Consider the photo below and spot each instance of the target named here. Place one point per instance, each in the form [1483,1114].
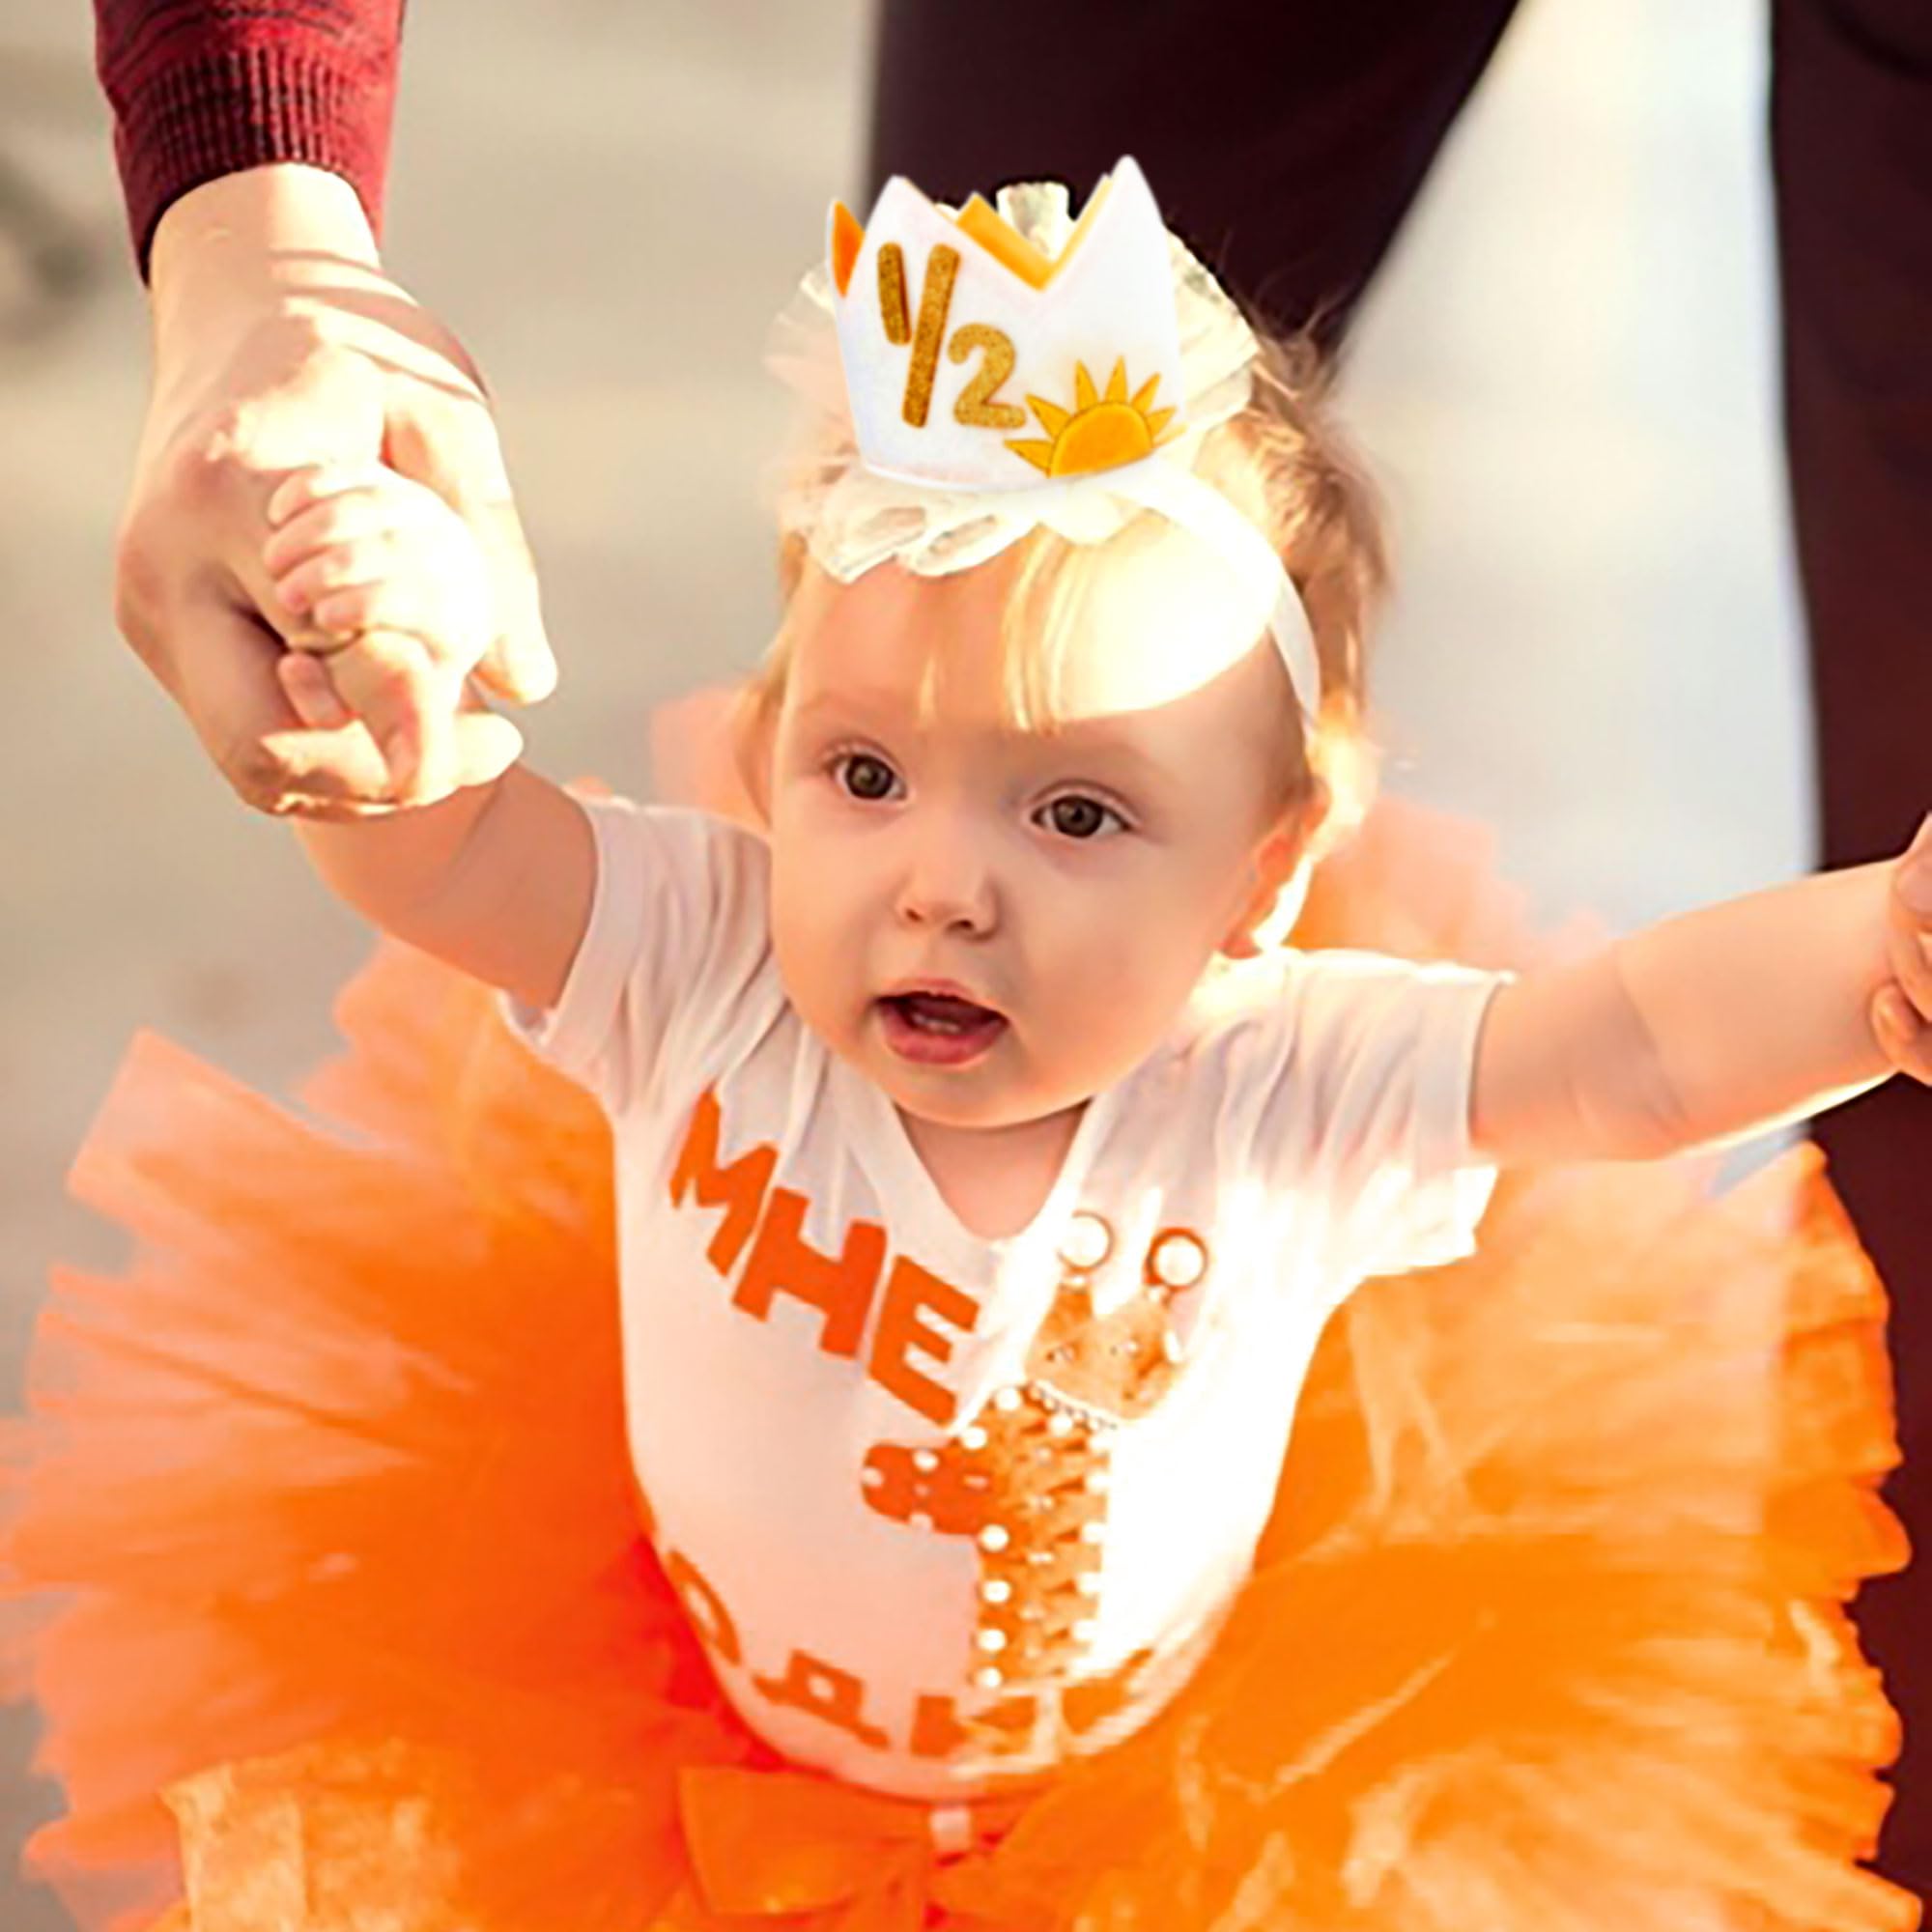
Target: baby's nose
[947,887]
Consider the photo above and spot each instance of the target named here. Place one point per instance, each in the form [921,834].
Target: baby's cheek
[819,956]
[1135,977]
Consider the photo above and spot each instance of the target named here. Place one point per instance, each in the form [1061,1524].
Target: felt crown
[974,362]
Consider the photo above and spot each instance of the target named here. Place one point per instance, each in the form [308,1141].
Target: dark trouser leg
[1851,148]
[1284,142]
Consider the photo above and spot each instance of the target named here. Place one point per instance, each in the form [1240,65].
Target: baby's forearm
[494,880]
[396,870]
[1758,1010]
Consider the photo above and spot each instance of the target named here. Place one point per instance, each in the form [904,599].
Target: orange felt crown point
[848,236]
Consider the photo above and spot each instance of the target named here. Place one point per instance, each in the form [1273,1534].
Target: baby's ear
[754,724]
[1281,864]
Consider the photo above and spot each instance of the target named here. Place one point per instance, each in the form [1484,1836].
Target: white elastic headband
[1190,501]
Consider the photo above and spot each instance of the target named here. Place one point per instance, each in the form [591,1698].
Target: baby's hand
[396,597]
[1902,1010]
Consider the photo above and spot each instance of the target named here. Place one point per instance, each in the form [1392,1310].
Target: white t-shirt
[947,1509]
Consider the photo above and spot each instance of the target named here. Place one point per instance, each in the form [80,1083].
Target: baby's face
[993,923]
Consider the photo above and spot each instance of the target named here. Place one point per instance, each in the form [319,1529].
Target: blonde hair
[1282,463]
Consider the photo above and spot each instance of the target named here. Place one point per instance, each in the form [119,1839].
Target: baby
[985,1175]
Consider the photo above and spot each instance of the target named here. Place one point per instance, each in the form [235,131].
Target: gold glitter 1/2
[934,302]
[977,406]
[893,295]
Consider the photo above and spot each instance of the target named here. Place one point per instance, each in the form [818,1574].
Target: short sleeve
[678,930]
[1355,1084]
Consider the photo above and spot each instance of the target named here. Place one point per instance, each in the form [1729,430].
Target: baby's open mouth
[938,1029]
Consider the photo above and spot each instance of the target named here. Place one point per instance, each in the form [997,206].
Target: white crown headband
[1124,348]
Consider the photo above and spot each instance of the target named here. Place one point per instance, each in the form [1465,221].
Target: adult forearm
[200,91]
[1758,1011]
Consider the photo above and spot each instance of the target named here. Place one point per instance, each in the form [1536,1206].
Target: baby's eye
[1078,816]
[865,777]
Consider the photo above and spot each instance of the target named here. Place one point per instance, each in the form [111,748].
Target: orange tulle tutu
[332,1587]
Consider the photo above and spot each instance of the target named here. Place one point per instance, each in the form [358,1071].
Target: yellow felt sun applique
[1099,431]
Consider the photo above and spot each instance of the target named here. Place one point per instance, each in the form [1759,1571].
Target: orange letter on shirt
[783,1261]
[1006,1729]
[741,1187]
[910,1290]
[823,1691]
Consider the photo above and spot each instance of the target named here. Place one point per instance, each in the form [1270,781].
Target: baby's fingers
[369,557]
[373,550]
[348,593]
[485,745]
[393,682]
[314,509]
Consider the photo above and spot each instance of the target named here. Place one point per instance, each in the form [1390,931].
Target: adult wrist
[255,235]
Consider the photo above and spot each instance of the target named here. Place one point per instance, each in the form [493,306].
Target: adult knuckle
[139,585]
[258,776]
[202,477]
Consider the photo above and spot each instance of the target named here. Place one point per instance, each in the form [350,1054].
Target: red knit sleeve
[204,88]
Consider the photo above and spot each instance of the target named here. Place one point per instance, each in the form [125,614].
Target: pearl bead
[1178,1260]
[1087,1242]
[924,1460]
[973,1437]
[994,1537]
[993,1640]
[1060,1423]
[989,1677]
[995,1590]
[1008,1399]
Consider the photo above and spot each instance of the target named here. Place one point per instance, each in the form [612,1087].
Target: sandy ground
[1565,380]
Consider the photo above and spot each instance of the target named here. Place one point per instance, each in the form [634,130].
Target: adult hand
[280,345]
[1902,1011]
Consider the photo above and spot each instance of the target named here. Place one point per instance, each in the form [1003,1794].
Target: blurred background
[1564,379]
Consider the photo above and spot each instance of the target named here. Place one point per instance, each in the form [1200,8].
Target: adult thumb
[454,449]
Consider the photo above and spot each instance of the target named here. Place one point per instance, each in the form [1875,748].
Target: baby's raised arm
[1705,1028]
[496,879]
